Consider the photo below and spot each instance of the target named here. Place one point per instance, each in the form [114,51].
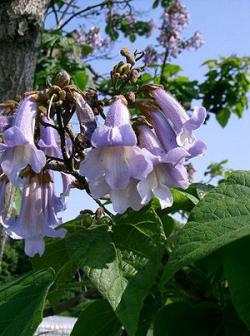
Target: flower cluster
[174,20]
[22,162]
[130,172]
[92,38]
[127,163]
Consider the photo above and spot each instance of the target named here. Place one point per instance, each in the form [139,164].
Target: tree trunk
[20,25]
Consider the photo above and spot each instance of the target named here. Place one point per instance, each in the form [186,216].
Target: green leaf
[80,78]
[155,3]
[223,116]
[98,319]
[232,324]
[172,69]
[182,318]
[183,200]
[122,264]
[237,273]
[220,218]
[86,49]
[22,302]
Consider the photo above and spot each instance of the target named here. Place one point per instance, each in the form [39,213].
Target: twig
[164,65]
[104,3]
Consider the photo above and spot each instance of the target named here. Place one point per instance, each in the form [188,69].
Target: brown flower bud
[130,97]
[62,79]
[134,76]
[129,57]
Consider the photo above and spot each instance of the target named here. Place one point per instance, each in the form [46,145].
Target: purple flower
[49,139]
[85,116]
[68,183]
[168,169]
[182,124]
[18,149]
[116,162]
[37,217]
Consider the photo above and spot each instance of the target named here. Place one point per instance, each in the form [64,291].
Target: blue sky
[225,26]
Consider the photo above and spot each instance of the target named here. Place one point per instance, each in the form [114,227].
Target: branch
[164,65]
[102,4]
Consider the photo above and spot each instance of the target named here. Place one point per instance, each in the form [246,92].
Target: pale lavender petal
[37,217]
[148,139]
[19,149]
[92,166]
[85,116]
[198,148]
[171,108]
[49,139]
[118,114]
[68,183]
[15,137]
[139,162]
[164,131]
[197,119]
[164,196]
[14,159]
[114,136]
[25,117]
[123,199]
[34,246]
[99,188]
[175,156]
[145,187]
[37,159]
[117,172]
[174,177]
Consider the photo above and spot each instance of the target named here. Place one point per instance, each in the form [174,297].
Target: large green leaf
[220,218]
[22,302]
[237,273]
[56,256]
[98,319]
[122,264]
[182,318]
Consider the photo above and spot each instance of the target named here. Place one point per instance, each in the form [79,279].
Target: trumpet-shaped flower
[19,149]
[168,169]
[182,124]
[116,162]
[49,139]
[37,217]
[85,116]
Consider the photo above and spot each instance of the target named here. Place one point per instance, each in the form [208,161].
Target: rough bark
[20,25]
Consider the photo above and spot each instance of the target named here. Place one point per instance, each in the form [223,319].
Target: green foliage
[237,273]
[122,265]
[182,318]
[22,302]
[226,86]
[98,319]
[129,29]
[220,218]
[61,52]
[15,263]
[216,169]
